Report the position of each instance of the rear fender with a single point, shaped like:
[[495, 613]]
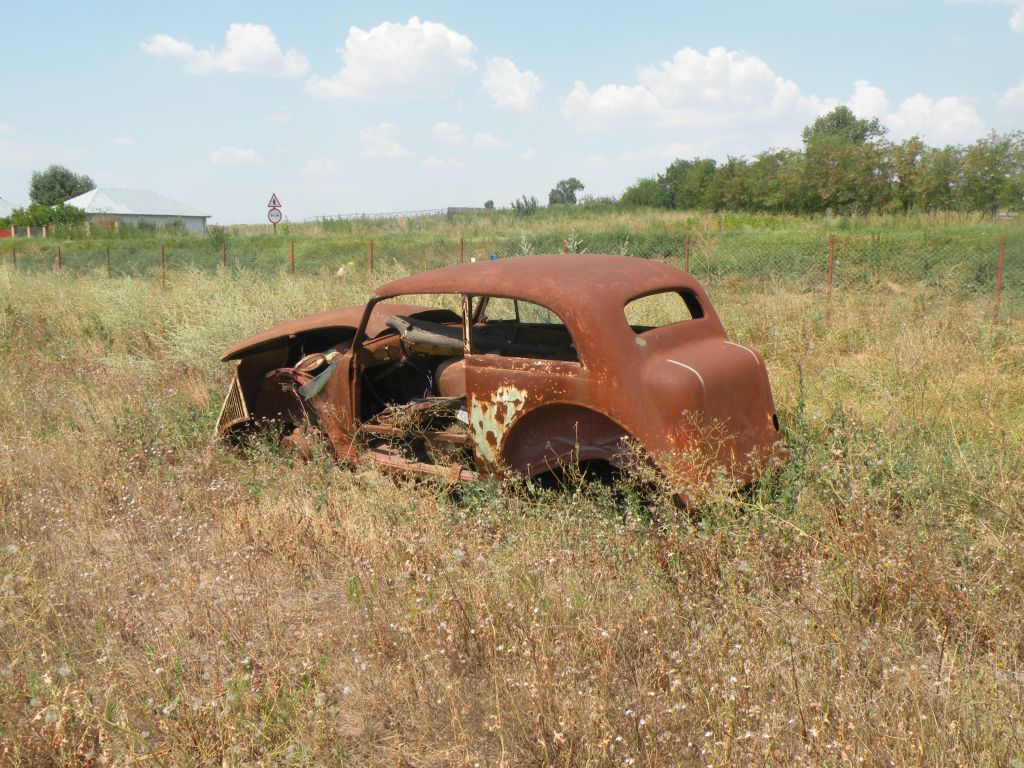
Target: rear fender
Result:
[[558, 435]]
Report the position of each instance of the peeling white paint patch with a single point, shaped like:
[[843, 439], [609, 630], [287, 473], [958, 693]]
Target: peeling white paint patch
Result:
[[491, 416]]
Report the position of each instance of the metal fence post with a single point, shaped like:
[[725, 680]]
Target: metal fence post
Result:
[[291, 259], [14, 256], [60, 262], [686, 254], [565, 246], [224, 255], [371, 257], [108, 261], [831, 269], [163, 268], [999, 276], [462, 249]]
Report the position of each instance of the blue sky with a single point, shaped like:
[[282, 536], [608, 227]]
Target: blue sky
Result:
[[345, 107]]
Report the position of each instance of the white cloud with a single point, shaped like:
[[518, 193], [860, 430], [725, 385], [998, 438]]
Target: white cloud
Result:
[[508, 86], [1013, 98], [485, 139], [448, 133], [1016, 18], [6, 129], [234, 156], [694, 90], [868, 100], [949, 120], [123, 141], [437, 162], [382, 141], [528, 153], [249, 48], [318, 166], [419, 59]]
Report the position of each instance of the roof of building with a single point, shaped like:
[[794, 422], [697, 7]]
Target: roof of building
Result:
[[139, 202], [6, 207]]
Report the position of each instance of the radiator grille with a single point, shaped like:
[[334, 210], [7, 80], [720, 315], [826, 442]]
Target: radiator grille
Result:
[[234, 410]]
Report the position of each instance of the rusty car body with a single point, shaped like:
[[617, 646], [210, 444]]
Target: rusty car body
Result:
[[528, 365]]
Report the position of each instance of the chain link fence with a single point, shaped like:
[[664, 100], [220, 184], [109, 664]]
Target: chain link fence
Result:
[[803, 263]]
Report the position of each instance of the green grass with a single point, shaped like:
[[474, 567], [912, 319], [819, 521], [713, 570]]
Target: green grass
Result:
[[950, 252]]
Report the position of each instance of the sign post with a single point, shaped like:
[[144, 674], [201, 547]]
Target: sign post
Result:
[[274, 215]]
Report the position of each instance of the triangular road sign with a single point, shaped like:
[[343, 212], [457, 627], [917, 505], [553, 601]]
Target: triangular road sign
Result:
[[274, 202]]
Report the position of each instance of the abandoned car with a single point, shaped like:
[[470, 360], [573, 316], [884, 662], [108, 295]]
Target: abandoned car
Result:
[[529, 365]]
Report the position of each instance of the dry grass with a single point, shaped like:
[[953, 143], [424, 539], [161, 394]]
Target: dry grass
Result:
[[164, 600]]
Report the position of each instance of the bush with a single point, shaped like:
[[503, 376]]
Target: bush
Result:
[[524, 206]]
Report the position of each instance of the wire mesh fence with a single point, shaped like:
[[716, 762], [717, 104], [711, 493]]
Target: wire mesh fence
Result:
[[980, 266]]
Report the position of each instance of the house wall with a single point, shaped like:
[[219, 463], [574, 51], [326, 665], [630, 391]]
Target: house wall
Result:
[[194, 224]]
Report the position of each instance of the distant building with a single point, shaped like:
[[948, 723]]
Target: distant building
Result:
[[105, 205]]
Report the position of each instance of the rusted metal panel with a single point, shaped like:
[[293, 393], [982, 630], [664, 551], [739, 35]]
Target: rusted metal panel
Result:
[[346, 318]]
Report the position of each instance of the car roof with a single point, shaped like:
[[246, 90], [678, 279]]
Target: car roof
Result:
[[560, 282]]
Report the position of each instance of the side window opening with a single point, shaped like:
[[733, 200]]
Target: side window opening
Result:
[[517, 328], [658, 310]]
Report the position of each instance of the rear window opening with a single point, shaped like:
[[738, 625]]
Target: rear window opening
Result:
[[658, 310]]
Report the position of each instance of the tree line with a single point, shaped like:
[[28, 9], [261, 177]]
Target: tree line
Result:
[[847, 166]]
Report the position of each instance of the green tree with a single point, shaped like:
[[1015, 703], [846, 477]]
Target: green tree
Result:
[[489, 205], [687, 182], [938, 170], [990, 171], [905, 162], [845, 168], [777, 182], [57, 184], [650, 193], [841, 125], [730, 187], [847, 178], [564, 192]]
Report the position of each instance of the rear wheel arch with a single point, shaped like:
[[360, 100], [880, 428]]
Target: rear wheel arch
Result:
[[552, 436]]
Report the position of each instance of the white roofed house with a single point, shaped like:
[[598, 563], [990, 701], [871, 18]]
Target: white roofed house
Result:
[[106, 205]]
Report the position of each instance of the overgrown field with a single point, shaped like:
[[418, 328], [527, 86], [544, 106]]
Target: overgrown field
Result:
[[949, 249], [166, 600]]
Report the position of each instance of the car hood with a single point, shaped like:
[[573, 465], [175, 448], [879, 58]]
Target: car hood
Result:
[[343, 318]]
